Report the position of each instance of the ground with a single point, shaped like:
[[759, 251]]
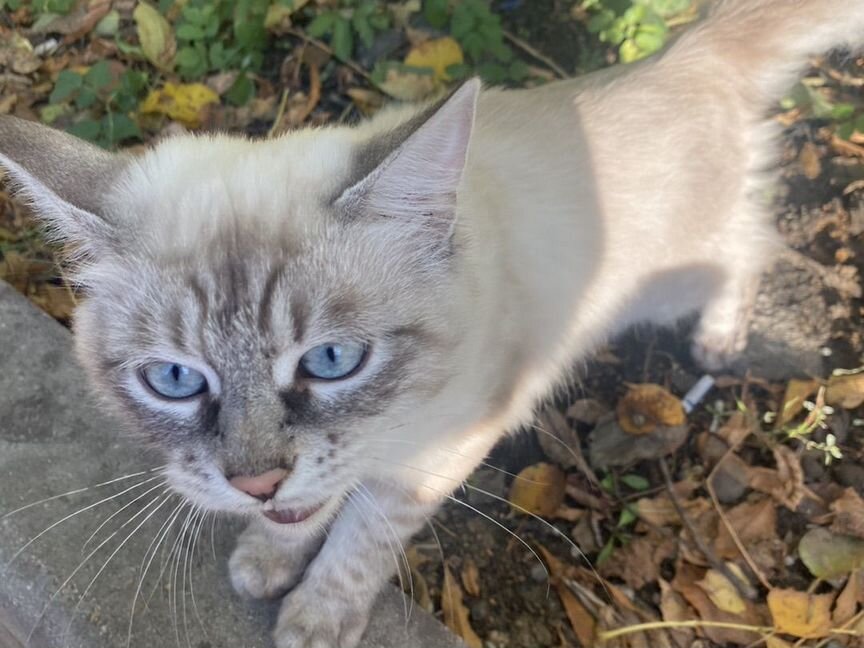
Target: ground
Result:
[[741, 520]]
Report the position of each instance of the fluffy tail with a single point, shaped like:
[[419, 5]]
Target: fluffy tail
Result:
[[766, 43]]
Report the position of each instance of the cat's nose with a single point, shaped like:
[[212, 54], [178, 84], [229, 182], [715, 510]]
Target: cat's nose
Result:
[[263, 486]]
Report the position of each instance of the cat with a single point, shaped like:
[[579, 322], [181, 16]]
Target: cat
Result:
[[325, 332]]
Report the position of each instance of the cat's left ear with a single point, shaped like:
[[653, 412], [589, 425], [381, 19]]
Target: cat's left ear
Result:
[[65, 180], [412, 174]]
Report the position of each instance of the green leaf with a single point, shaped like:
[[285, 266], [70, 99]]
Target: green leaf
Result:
[[98, 76], [241, 91], [363, 29], [627, 517], [842, 111], [635, 482], [605, 552], [600, 21], [436, 12], [630, 51], [85, 98], [87, 129], [846, 130], [155, 36], [322, 24], [118, 127], [342, 40], [668, 8], [67, 83], [188, 31]]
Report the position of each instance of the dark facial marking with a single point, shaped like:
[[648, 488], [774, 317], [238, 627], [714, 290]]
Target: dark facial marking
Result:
[[265, 308], [299, 315]]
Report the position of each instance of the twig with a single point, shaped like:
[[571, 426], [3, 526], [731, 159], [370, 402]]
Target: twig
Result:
[[326, 48], [743, 587], [606, 635], [280, 113], [533, 53], [725, 520]]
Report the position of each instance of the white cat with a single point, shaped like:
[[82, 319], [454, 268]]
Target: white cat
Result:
[[329, 330]]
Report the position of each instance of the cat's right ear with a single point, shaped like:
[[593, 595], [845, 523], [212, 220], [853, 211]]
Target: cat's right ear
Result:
[[64, 179]]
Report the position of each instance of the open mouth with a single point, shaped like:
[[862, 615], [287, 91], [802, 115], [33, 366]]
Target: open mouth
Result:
[[291, 516]]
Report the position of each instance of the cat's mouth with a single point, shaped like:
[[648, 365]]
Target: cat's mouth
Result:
[[291, 516]]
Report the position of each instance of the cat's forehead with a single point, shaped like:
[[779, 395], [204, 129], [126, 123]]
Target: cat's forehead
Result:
[[189, 186]]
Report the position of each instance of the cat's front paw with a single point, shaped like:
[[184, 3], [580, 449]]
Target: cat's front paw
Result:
[[718, 347], [264, 568], [310, 618]]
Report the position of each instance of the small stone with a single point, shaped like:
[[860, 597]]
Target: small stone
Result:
[[539, 574], [850, 475], [479, 610]]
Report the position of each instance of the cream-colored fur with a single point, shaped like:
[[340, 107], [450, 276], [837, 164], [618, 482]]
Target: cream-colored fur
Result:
[[507, 235]]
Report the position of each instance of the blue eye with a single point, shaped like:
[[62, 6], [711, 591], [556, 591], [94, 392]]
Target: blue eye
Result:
[[333, 361], [173, 380]]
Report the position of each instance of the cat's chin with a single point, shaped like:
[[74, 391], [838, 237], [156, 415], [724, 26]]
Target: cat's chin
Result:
[[299, 520]]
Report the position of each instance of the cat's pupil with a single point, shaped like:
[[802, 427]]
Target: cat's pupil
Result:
[[175, 372], [331, 354]]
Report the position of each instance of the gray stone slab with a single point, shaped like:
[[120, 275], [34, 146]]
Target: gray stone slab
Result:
[[53, 439]]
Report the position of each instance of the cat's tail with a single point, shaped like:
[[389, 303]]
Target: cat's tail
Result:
[[767, 43]]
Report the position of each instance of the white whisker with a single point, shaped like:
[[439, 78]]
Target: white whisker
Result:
[[70, 516], [118, 511], [80, 490]]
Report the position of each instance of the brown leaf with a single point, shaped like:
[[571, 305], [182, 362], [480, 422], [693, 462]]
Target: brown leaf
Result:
[[583, 624], [736, 429], [78, 22], [470, 577], [800, 614], [646, 406], [660, 511], [561, 443], [586, 410], [848, 514], [455, 612], [538, 489], [846, 605], [684, 582], [609, 445], [638, 562], [673, 608], [752, 521], [846, 391], [811, 165], [786, 484], [797, 391]]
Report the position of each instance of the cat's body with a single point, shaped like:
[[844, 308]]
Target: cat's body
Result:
[[467, 259]]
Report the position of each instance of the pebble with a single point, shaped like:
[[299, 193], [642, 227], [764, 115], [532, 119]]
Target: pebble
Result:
[[539, 574]]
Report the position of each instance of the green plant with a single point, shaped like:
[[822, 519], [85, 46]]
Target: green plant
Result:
[[354, 19], [809, 97], [478, 30], [215, 35], [108, 102], [638, 28], [627, 517]]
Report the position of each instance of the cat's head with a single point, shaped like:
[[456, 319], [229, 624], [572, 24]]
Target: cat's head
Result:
[[265, 312]]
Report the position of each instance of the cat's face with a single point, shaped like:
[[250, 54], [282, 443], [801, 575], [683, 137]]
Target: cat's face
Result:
[[280, 305]]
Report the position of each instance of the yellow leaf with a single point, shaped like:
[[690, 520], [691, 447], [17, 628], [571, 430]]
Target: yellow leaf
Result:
[[722, 592], [279, 14], [184, 102], [538, 489], [455, 612], [437, 54], [156, 37], [408, 86], [646, 406], [800, 614]]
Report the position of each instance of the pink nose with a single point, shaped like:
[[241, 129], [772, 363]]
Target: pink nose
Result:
[[262, 486]]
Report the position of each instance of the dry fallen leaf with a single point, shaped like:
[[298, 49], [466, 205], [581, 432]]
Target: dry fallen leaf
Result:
[[581, 620], [846, 605], [470, 577], [811, 165], [586, 410], [455, 612], [786, 483], [673, 608], [184, 102], [828, 555], [800, 614], [437, 54], [538, 489], [848, 514], [797, 391], [646, 406], [722, 592], [156, 36], [846, 391]]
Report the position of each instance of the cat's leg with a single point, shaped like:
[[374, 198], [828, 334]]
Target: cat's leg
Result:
[[266, 564], [721, 334], [330, 607]]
